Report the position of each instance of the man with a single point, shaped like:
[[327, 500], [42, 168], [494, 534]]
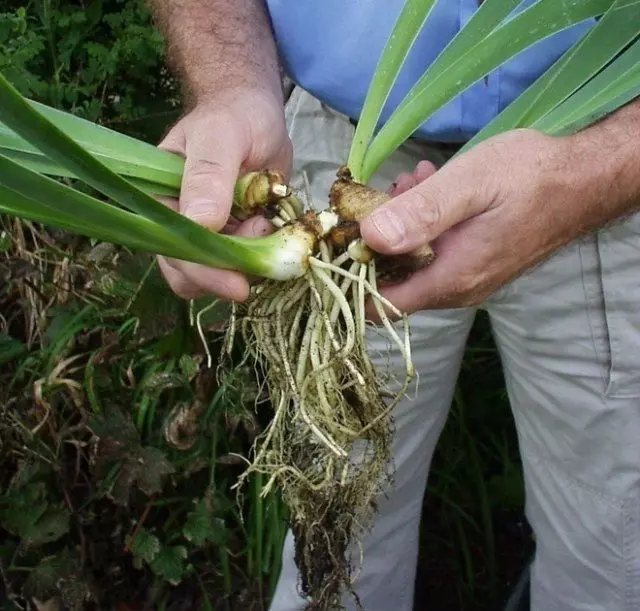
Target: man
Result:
[[523, 225]]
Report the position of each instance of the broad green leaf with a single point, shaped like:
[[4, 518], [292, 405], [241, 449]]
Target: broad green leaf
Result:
[[617, 28], [54, 524], [402, 38], [37, 162], [21, 508], [170, 563], [138, 466], [405, 31], [446, 78], [26, 513], [120, 153], [33, 196], [16, 113], [43, 578], [195, 243], [144, 545], [618, 84], [202, 527], [10, 348]]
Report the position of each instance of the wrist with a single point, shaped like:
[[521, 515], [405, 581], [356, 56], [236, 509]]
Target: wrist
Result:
[[241, 92], [216, 45], [604, 161]]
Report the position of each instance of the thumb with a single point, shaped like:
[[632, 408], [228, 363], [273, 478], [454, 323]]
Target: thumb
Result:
[[419, 215], [215, 149]]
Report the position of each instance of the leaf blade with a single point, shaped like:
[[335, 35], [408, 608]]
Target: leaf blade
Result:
[[446, 79], [403, 35], [121, 153], [617, 28], [616, 85]]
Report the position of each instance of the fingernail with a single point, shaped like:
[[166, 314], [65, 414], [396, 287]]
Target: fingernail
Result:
[[390, 226]]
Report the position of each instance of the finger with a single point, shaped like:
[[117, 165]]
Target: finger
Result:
[[231, 226], [424, 170], [174, 141], [255, 227], [191, 280], [402, 183], [458, 277], [418, 216], [214, 154]]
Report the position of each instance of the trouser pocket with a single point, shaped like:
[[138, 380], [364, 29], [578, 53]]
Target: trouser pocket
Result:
[[612, 285]]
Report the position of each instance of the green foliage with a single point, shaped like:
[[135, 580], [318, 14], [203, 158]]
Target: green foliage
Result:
[[169, 564], [117, 367], [144, 545], [10, 348], [101, 59], [26, 512], [46, 577], [117, 444], [203, 526], [106, 489]]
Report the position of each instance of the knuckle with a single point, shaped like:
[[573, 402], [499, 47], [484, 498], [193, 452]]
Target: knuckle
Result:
[[205, 179], [425, 208], [200, 168]]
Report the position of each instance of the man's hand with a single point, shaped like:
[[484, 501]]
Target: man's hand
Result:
[[221, 139], [225, 56], [496, 211]]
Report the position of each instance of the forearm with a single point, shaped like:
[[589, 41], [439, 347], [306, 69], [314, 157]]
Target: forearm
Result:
[[606, 161], [217, 45]]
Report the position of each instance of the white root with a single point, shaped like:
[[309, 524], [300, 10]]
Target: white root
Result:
[[379, 301], [203, 339]]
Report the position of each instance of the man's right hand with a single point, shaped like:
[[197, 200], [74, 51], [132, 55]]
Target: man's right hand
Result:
[[223, 137]]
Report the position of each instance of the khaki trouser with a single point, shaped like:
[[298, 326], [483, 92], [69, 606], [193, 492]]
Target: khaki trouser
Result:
[[568, 333]]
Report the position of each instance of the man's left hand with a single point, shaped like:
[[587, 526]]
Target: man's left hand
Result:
[[490, 214]]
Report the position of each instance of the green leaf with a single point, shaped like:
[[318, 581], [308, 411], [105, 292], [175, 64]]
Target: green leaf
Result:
[[5, 241], [159, 171], [618, 84], [144, 545], [202, 527], [190, 241], [54, 524], [170, 563], [42, 581], [472, 55], [190, 365], [29, 195], [402, 38], [404, 33], [21, 508], [10, 348], [117, 443], [26, 513], [618, 27], [116, 425]]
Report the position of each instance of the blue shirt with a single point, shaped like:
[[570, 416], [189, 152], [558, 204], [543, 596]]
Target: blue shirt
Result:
[[331, 48]]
